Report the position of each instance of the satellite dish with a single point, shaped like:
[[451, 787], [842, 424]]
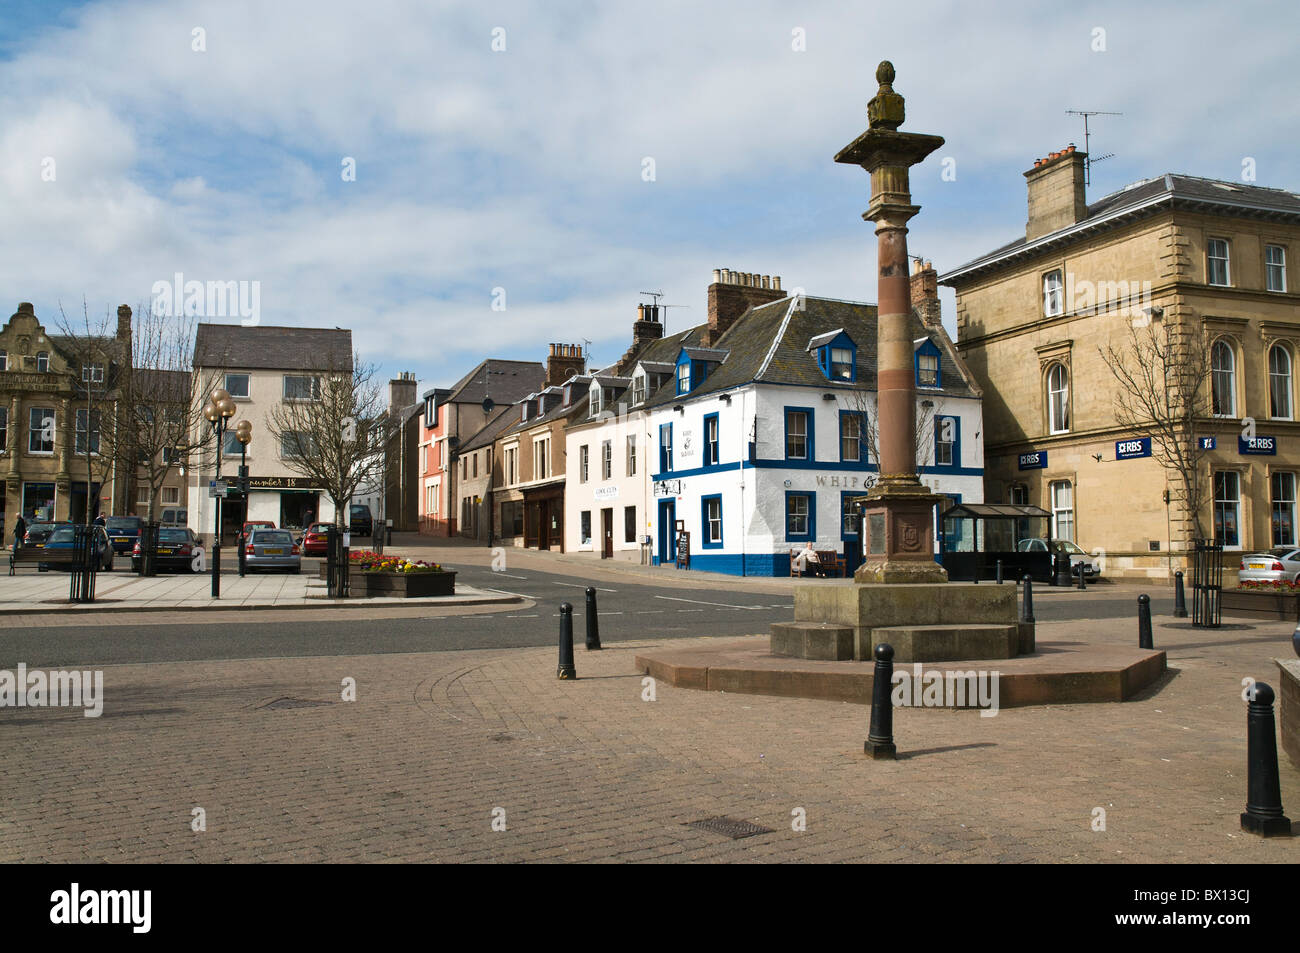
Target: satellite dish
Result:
[[488, 404]]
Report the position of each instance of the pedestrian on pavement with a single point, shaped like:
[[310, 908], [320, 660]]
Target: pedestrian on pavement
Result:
[[20, 530], [100, 520]]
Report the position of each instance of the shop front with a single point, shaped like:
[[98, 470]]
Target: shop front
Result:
[[544, 517]]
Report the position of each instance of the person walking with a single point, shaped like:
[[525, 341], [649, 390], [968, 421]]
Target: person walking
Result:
[[20, 530]]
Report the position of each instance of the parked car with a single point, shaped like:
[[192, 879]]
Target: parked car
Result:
[[272, 549], [1278, 565], [359, 520], [1091, 568], [62, 539], [38, 533], [174, 516], [176, 545], [124, 531], [257, 524], [314, 540]]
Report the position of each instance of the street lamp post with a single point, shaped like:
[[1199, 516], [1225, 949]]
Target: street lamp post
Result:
[[218, 411], [243, 433]]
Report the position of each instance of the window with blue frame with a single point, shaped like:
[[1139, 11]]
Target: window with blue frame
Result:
[[684, 377], [798, 433], [850, 516], [711, 521], [853, 436], [665, 448], [838, 357], [710, 439], [800, 517], [927, 365], [947, 440]]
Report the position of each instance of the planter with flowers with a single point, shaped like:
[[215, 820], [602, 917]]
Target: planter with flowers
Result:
[[1262, 600], [370, 574]]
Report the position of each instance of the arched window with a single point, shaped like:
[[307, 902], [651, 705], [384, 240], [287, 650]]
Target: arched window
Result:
[[1223, 379], [1279, 382], [1058, 398]]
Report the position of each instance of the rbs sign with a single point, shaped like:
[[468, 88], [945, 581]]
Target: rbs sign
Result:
[[1266, 446], [1132, 449], [1034, 461]]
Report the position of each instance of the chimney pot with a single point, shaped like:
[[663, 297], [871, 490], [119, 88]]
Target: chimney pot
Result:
[[717, 275], [776, 282]]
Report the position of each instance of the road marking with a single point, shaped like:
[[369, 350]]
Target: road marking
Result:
[[699, 602], [572, 585], [511, 575]]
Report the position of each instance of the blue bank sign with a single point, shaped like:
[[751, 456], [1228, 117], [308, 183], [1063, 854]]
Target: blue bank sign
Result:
[[1208, 443], [1034, 461], [1260, 446], [1132, 449]]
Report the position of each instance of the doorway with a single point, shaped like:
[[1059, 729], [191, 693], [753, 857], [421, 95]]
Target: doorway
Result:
[[607, 534], [667, 522]]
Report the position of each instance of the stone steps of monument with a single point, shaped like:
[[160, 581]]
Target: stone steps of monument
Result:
[[945, 643], [813, 640]]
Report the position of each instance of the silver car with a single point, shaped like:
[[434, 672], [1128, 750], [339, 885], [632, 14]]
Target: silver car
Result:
[[1078, 555], [272, 549], [1280, 565]]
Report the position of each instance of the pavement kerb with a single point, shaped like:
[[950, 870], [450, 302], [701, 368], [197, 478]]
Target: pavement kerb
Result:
[[311, 603]]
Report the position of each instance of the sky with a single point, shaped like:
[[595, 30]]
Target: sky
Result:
[[457, 181]]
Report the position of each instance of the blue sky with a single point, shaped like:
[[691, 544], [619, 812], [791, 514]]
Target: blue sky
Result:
[[522, 168]]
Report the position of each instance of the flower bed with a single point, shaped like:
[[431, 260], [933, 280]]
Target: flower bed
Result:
[[1263, 600], [372, 574]]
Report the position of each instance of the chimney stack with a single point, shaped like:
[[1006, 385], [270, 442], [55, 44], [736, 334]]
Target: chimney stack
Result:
[[565, 361], [647, 327], [123, 323], [401, 391], [734, 294], [925, 293], [1056, 192]]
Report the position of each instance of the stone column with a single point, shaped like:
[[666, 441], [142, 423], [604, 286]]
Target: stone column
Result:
[[898, 516], [13, 476], [64, 432]]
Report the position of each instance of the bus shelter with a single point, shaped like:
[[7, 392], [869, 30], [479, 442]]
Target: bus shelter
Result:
[[977, 536]]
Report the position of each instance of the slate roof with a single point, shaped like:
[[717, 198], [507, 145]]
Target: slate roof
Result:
[[171, 386], [506, 382], [1162, 193], [769, 344], [265, 347], [498, 425]]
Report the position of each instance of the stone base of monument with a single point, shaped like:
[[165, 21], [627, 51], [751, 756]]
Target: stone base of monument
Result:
[[940, 622], [1059, 674], [1288, 696]]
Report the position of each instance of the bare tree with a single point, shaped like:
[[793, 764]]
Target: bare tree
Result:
[[1163, 372], [161, 409], [333, 432], [99, 367], [864, 401]]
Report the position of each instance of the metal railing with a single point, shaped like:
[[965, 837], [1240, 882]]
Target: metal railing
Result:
[[336, 564], [85, 561], [149, 549], [1207, 583]]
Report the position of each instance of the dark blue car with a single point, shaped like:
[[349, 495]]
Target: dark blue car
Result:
[[61, 540], [123, 531]]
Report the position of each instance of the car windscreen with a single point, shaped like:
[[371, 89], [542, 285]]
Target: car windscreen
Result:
[[123, 525], [61, 535], [272, 537]]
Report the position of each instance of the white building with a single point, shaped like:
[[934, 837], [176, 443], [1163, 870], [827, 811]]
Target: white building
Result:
[[262, 367], [754, 433]]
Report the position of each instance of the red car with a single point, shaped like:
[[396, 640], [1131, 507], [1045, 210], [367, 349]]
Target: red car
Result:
[[314, 540], [257, 524]]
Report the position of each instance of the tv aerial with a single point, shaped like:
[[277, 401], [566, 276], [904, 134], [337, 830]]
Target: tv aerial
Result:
[[656, 295], [1087, 163]]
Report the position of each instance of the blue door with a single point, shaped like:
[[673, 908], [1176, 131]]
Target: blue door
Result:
[[667, 536]]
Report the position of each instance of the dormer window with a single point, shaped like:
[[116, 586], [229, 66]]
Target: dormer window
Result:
[[836, 355], [597, 399], [638, 389], [927, 364], [684, 377]]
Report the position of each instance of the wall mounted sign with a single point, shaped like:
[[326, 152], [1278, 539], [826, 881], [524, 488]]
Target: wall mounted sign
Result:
[[1207, 443], [279, 483], [606, 493], [668, 488], [1257, 446], [1132, 449], [1034, 461]]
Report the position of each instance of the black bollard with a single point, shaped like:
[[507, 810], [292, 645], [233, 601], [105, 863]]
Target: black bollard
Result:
[[1180, 597], [880, 737], [999, 572], [593, 624], [1263, 794], [1082, 585], [1027, 608], [1144, 622], [567, 669]]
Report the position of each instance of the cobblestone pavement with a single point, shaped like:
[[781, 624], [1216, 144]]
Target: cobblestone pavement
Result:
[[588, 770]]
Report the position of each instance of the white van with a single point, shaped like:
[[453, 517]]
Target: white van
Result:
[[175, 516]]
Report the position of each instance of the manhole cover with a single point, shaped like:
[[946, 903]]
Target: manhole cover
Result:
[[729, 827], [294, 703]]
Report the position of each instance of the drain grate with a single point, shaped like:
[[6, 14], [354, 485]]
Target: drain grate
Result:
[[729, 827], [294, 703]]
